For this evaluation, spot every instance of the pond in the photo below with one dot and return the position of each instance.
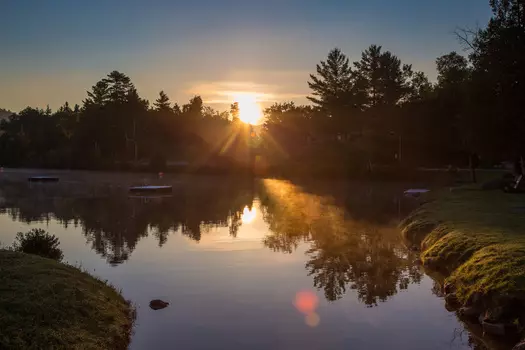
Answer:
(258, 264)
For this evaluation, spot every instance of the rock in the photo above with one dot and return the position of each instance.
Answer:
(493, 328)
(451, 299)
(417, 262)
(158, 304)
(469, 311)
(519, 346)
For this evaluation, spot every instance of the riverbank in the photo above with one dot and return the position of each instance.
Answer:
(45, 304)
(477, 239)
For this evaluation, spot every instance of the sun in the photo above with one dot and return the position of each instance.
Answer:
(250, 111)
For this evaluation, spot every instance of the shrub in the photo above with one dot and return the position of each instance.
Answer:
(38, 242)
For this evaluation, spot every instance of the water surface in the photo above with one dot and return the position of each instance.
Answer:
(258, 264)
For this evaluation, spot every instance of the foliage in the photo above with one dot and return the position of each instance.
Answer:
(359, 252)
(49, 305)
(38, 242)
(375, 111)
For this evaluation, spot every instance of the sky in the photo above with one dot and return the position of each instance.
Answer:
(54, 51)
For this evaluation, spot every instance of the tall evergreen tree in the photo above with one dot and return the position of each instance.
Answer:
(384, 79)
(119, 86)
(162, 103)
(498, 81)
(332, 83)
(99, 94)
(336, 92)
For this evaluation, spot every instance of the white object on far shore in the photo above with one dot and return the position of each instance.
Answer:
(415, 192)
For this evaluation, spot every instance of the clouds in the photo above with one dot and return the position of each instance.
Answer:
(268, 87)
(211, 48)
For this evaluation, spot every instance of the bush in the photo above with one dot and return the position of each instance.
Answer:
(38, 242)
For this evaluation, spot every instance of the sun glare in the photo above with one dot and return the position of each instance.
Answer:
(250, 111)
(248, 215)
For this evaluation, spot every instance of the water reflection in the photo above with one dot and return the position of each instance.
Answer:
(113, 223)
(361, 252)
(351, 239)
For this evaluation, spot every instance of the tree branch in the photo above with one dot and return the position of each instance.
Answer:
(466, 36)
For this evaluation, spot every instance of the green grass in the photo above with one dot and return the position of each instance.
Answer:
(478, 237)
(48, 305)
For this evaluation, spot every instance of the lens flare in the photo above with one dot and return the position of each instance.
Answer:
(306, 302)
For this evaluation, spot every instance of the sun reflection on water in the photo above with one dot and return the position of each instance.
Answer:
(248, 215)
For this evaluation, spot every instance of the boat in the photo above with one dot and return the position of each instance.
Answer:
(151, 189)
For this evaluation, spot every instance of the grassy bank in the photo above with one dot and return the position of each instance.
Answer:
(478, 239)
(48, 305)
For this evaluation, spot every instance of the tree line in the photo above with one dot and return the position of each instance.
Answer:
(113, 128)
(377, 110)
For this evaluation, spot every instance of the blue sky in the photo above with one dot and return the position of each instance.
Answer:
(54, 51)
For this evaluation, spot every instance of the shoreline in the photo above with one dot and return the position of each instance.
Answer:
(476, 239)
(47, 304)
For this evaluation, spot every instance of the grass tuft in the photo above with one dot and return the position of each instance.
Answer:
(478, 237)
(48, 305)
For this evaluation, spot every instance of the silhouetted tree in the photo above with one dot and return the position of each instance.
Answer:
(336, 92)
(162, 104)
(375, 110)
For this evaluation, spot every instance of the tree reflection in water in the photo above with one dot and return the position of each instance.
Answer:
(357, 247)
(113, 223)
(347, 248)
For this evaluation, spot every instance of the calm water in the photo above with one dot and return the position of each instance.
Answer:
(265, 264)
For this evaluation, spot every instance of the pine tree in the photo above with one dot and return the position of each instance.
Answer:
(337, 94)
(162, 103)
(119, 86)
(384, 80)
(99, 94)
(333, 82)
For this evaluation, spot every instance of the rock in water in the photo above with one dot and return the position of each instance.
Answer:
(158, 304)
